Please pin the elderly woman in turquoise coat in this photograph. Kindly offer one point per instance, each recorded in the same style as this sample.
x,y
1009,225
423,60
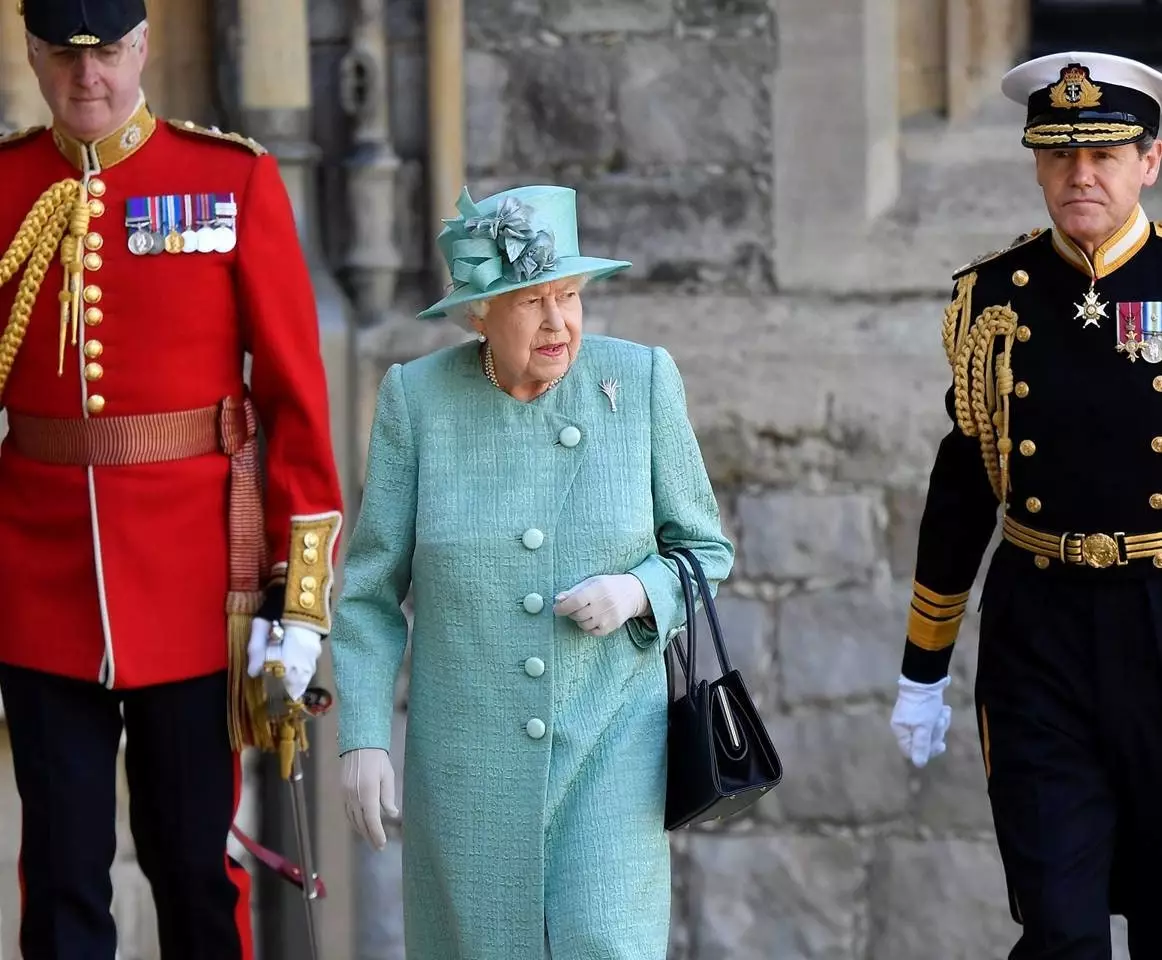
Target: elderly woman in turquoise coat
x,y
524,487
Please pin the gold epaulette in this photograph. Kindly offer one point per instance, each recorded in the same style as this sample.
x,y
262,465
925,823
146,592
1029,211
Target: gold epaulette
x,y
188,126
17,135
1158,228
993,254
934,618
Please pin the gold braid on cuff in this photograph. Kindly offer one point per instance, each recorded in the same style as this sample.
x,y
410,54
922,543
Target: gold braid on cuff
x,y
934,618
310,572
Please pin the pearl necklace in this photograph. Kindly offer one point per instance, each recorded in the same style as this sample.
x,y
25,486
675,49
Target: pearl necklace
x,y
490,371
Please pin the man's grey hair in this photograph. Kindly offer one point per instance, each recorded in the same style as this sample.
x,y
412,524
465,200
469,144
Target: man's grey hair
x,y
1144,145
134,37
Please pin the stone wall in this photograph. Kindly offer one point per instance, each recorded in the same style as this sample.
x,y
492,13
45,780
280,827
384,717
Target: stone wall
x,y
818,408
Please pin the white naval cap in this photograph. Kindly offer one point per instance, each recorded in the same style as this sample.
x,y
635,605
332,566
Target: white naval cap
x,y
1078,99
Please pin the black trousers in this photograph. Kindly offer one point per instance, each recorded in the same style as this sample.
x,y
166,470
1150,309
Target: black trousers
x,y
1069,707
183,792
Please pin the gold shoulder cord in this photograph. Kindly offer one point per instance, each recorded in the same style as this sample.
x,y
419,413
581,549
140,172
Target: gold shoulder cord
x,y
63,206
982,383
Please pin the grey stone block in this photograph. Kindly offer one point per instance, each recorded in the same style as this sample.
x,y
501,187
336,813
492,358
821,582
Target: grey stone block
x,y
502,22
327,21
953,794
486,109
723,16
794,536
840,767
790,897
748,631
561,107
405,19
682,228
682,102
939,897
905,509
620,16
409,112
842,644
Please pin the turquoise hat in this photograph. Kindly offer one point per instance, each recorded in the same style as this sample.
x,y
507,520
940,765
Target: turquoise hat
x,y
513,239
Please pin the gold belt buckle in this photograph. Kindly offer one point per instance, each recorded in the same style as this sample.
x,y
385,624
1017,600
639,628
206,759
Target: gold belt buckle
x,y
1100,550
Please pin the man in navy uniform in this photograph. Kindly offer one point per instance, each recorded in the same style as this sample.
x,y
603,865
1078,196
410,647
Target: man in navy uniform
x,y
1055,345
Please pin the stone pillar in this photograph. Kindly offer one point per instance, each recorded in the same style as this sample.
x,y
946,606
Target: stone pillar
x,y
275,102
836,134
372,263
19,94
445,25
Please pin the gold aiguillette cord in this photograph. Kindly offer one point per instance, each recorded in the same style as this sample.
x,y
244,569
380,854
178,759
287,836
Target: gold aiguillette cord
x,y
70,295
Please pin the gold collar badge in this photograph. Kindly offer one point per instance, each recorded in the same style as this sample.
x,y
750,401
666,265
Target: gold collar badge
x,y
1075,91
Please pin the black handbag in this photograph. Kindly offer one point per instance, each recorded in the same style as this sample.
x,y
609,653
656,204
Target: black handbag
x,y
720,757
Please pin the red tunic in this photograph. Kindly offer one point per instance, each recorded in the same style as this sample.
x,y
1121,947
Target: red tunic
x,y
119,573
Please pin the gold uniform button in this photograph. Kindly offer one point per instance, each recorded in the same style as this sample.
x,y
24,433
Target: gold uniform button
x,y
94,241
92,293
306,600
1042,563
96,187
1156,501
310,584
1028,448
92,261
93,349
93,317
311,540
1023,333
1020,278
1158,384
1033,505
97,208
310,555
1156,444
94,371
95,403
1021,389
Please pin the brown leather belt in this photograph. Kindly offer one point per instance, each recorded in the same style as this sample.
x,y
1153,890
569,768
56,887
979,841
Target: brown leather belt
x,y
229,427
1097,550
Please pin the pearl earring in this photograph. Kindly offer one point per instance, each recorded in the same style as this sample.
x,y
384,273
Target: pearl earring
x,y
481,337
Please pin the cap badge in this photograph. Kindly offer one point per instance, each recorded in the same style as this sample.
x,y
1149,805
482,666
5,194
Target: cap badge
x,y
1075,91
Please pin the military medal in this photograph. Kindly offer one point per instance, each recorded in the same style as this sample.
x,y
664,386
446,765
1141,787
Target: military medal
x,y
1091,309
189,235
1129,340
137,220
225,210
1140,330
170,217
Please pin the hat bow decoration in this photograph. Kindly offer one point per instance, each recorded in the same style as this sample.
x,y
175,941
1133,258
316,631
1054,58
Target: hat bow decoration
x,y
501,245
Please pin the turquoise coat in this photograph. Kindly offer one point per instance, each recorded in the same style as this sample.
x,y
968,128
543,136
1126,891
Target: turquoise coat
x,y
536,755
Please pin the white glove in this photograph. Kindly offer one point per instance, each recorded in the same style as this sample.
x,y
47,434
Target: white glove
x,y
369,792
600,605
920,719
298,653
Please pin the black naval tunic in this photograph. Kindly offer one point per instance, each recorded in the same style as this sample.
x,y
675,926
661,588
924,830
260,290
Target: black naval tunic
x,y
1056,406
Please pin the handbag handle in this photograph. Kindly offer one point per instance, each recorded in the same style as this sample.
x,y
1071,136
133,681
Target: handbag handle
x,y
708,606
689,659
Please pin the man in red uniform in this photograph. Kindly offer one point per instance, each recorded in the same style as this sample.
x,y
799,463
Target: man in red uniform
x,y
139,555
